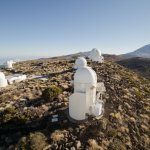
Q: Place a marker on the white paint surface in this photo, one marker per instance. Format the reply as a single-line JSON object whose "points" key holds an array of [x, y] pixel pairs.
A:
{"points": [[3, 81], [80, 62], [85, 100], [95, 55]]}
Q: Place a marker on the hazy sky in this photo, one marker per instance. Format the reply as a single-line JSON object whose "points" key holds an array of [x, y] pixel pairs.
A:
{"points": [[56, 27]]}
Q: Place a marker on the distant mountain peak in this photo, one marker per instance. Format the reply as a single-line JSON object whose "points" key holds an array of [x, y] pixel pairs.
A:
{"points": [[145, 48], [141, 52]]}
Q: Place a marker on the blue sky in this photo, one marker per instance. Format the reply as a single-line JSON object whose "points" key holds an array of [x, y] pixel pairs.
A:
{"points": [[59, 27]]}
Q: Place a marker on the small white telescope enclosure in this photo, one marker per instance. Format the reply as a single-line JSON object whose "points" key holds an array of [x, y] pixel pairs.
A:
{"points": [[85, 99], [80, 62], [3, 81], [95, 55], [8, 64]]}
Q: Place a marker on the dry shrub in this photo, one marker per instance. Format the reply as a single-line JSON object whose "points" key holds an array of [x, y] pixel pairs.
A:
{"points": [[35, 141], [57, 135], [93, 145]]}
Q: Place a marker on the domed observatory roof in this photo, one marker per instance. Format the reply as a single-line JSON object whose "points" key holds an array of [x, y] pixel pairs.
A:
{"points": [[86, 76], [95, 55], [80, 62], [3, 81], [8, 64]]}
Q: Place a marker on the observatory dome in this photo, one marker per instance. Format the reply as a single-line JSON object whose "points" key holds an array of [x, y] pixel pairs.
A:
{"points": [[95, 55], [80, 62], [8, 64], [96, 52], [85, 75], [84, 96]]}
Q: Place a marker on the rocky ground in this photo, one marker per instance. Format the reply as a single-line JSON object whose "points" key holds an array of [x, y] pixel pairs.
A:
{"points": [[25, 117]]}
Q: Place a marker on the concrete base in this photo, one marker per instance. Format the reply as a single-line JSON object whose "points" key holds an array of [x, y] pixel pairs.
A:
{"points": [[77, 106], [15, 78]]}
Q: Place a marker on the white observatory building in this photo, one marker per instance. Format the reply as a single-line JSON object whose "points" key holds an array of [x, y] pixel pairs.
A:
{"points": [[8, 64], [3, 81], [95, 55], [85, 99]]}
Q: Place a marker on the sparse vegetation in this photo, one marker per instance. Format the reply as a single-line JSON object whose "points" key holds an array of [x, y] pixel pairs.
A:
{"points": [[16, 118], [93, 145], [11, 114], [57, 136], [35, 141], [117, 145], [125, 124], [50, 93]]}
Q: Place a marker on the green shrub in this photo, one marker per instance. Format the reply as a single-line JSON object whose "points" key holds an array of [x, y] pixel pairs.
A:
{"points": [[15, 118], [10, 110], [51, 93], [22, 119], [6, 118], [112, 132]]}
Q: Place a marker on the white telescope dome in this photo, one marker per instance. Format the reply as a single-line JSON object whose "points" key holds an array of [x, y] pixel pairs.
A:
{"points": [[8, 64], [3, 81], [80, 62], [96, 52], [85, 75], [96, 55]]}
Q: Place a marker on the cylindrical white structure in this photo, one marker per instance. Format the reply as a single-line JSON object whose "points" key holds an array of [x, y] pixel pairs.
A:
{"points": [[9, 64], [84, 96], [85, 81], [3, 81]]}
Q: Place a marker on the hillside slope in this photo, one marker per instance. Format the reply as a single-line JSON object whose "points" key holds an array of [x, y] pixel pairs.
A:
{"points": [[141, 52], [108, 57], [139, 65], [125, 124]]}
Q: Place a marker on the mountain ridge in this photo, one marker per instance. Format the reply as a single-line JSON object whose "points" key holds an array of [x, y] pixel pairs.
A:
{"points": [[143, 51]]}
